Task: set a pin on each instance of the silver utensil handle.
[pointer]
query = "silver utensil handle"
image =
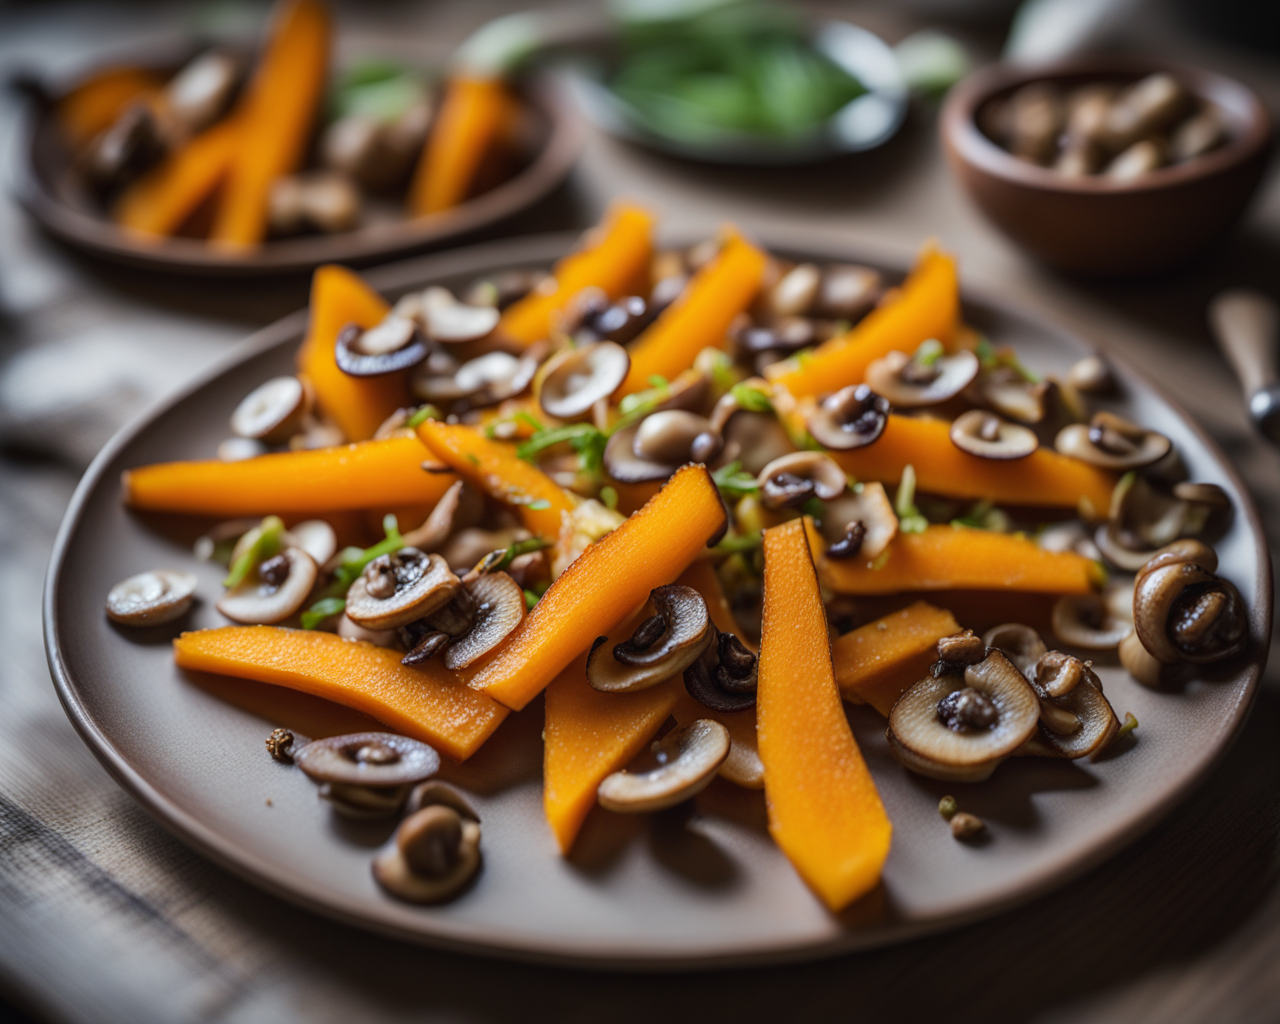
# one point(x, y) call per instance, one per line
point(1245, 324)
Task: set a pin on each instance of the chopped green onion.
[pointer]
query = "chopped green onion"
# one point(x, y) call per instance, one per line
point(751, 399)
point(734, 545)
point(929, 352)
point(422, 414)
point(522, 547)
point(609, 497)
point(325, 608)
point(733, 482)
point(263, 543)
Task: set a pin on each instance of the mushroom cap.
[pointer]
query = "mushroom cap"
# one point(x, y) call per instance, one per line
point(824, 478)
point(661, 647)
point(424, 582)
point(912, 761)
point(917, 725)
point(393, 870)
point(953, 374)
point(690, 758)
point(671, 435)
point(447, 320)
point(575, 379)
point(724, 677)
point(392, 346)
point(1021, 644)
point(795, 292)
point(1182, 612)
point(987, 436)
point(1139, 662)
point(1185, 550)
point(872, 508)
point(1085, 620)
point(753, 438)
point(853, 417)
point(257, 602)
point(848, 290)
point(378, 759)
point(271, 412)
point(429, 794)
point(1056, 674)
point(438, 525)
point(151, 598)
point(315, 537)
point(1091, 375)
point(499, 608)
point(1112, 443)
point(1010, 394)
point(1210, 495)
point(1096, 723)
point(743, 766)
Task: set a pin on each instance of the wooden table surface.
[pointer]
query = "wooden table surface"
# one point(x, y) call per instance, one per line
point(105, 917)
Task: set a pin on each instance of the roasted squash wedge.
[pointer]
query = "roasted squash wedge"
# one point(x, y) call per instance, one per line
point(875, 663)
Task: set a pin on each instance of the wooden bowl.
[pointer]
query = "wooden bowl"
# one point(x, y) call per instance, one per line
point(1095, 226)
point(49, 188)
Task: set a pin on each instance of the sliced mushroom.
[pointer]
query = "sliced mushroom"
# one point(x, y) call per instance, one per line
point(1010, 394)
point(860, 524)
point(200, 92)
point(793, 479)
point(272, 412)
point(485, 380)
point(1084, 620)
point(1185, 550)
point(348, 630)
point(437, 527)
point(959, 650)
point(277, 589)
point(126, 149)
point(619, 322)
point(1056, 674)
point(662, 646)
point(688, 760)
point(911, 383)
point(795, 292)
point(1091, 375)
point(1021, 644)
point(1183, 612)
point(435, 854)
point(151, 598)
point(853, 417)
point(325, 200)
point(398, 588)
point(912, 761)
point(1112, 443)
point(848, 290)
point(447, 320)
point(753, 438)
point(1093, 722)
point(576, 379)
point(499, 608)
point(392, 346)
point(432, 794)
point(723, 678)
point(315, 537)
point(659, 444)
point(960, 721)
point(1139, 662)
point(237, 449)
point(987, 436)
point(367, 774)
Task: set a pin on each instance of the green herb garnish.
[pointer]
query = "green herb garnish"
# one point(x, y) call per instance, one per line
point(733, 482)
point(263, 542)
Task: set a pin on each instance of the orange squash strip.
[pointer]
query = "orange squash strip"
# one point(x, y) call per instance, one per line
point(614, 257)
point(1043, 479)
point(471, 119)
point(425, 701)
point(700, 317)
point(875, 663)
point(93, 105)
point(927, 306)
point(590, 735)
point(161, 200)
point(702, 576)
point(958, 558)
point(358, 405)
point(607, 583)
point(351, 476)
point(824, 810)
point(278, 113)
point(495, 468)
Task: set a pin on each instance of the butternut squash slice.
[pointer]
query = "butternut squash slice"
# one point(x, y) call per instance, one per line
point(614, 258)
point(875, 663)
point(424, 701)
point(589, 735)
point(93, 105)
point(958, 558)
point(1044, 479)
point(494, 467)
point(604, 585)
point(471, 119)
point(359, 405)
point(160, 202)
point(700, 317)
point(352, 476)
point(278, 112)
point(824, 810)
point(926, 306)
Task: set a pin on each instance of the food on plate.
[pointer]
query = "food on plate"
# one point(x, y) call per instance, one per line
point(239, 151)
point(470, 500)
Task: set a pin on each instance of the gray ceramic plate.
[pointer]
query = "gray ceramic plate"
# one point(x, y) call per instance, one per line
point(669, 891)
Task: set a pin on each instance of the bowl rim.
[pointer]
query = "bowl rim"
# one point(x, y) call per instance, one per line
point(967, 143)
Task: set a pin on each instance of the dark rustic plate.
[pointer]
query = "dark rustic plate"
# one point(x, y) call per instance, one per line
point(50, 191)
point(671, 891)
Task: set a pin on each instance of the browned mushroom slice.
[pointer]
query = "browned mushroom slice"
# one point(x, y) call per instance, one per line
point(987, 436)
point(1139, 662)
point(1084, 620)
point(1112, 443)
point(1056, 674)
point(659, 444)
point(753, 438)
point(277, 589)
point(1010, 394)
point(438, 525)
point(1183, 612)
point(960, 721)
point(499, 608)
point(200, 92)
point(662, 646)
point(1186, 550)
point(724, 676)
point(398, 588)
point(151, 598)
point(795, 291)
point(435, 854)
point(790, 481)
point(1093, 723)
point(688, 760)
point(1021, 644)
point(315, 537)
point(945, 773)
point(392, 346)
point(272, 412)
point(910, 383)
point(853, 417)
point(577, 378)
point(960, 650)
point(446, 319)
point(848, 290)
point(860, 524)
point(620, 321)
point(367, 773)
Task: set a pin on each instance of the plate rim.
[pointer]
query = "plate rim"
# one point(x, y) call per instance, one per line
point(461, 937)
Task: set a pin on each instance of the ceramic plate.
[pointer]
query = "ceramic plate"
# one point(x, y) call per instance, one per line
point(674, 890)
